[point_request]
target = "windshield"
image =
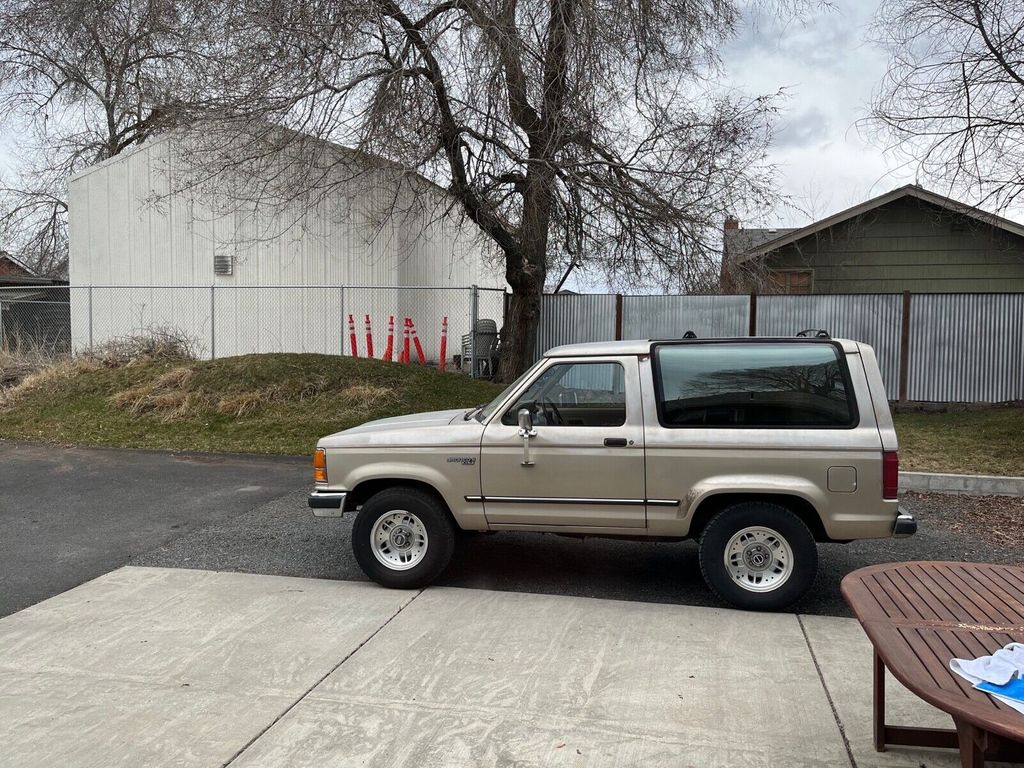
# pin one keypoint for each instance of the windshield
(485, 412)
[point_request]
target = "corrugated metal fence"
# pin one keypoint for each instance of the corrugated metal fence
(959, 347)
(666, 317)
(871, 318)
(574, 318)
(966, 347)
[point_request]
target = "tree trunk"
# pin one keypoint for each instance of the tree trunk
(525, 271)
(519, 341)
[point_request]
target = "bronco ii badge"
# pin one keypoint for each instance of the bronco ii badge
(466, 461)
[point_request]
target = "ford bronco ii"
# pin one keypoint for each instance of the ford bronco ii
(757, 448)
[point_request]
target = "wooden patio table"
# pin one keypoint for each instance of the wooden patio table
(918, 616)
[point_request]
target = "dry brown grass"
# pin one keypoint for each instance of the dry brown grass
(53, 372)
(243, 403)
(167, 396)
(31, 368)
(364, 396)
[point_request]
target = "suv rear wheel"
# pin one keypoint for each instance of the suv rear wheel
(758, 556)
(403, 538)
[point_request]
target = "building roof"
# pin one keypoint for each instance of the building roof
(5, 256)
(759, 246)
(740, 241)
(357, 155)
(25, 275)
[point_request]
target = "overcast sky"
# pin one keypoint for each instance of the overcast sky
(829, 70)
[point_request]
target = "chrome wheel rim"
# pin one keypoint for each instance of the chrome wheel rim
(398, 540)
(758, 559)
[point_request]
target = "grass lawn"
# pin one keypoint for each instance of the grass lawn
(281, 403)
(989, 442)
(277, 403)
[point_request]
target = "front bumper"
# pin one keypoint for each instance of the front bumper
(905, 525)
(327, 503)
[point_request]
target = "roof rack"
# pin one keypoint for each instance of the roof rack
(814, 333)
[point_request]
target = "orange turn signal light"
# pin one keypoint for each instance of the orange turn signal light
(320, 466)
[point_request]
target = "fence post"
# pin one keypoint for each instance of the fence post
(904, 348)
(753, 315)
(90, 318)
(474, 310)
(213, 327)
(341, 321)
(618, 317)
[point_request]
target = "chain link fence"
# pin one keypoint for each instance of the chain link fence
(35, 319)
(427, 326)
(941, 347)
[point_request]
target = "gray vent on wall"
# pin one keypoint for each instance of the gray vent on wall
(223, 264)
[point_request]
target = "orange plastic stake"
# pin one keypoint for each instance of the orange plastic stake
(416, 340)
(444, 343)
(388, 351)
(352, 336)
(369, 338)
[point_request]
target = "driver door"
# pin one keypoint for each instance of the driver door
(587, 455)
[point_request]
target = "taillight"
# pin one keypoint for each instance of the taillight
(320, 466)
(890, 474)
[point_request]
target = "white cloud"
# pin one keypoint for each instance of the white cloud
(828, 70)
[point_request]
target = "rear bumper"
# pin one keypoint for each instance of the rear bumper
(327, 503)
(905, 525)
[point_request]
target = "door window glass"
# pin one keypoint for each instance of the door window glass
(575, 395)
(752, 385)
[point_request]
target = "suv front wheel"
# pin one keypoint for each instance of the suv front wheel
(403, 538)
(758, 556)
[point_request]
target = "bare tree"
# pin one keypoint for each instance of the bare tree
(81, 82)
(953, 98)
(571, 134)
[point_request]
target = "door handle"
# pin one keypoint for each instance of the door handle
(615, 442)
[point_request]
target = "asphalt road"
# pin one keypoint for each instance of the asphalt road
(68, 515)
(282, 537)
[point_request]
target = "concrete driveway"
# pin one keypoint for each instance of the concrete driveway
(174, 667)
(68, 515)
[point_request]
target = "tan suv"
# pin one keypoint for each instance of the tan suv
(757, 448)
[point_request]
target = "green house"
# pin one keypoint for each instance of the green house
(908, 239)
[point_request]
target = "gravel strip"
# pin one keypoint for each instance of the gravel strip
(998, 520)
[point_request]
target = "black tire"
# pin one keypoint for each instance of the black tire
(791, 529)
(430, 514)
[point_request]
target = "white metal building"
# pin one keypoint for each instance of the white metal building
(241, 274)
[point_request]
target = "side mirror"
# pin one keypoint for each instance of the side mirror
(525, 422)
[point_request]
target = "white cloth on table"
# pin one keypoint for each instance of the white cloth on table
(1000, 668)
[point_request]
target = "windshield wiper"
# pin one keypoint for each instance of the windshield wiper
(473, 410)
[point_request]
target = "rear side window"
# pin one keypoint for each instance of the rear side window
(753, 385)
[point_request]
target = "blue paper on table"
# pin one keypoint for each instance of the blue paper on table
(1012, 690)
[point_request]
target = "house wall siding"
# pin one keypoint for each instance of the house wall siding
(130, 228)
(908, 245)
(127, 227)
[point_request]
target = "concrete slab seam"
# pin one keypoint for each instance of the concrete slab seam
(309, 690)
(828, 694)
